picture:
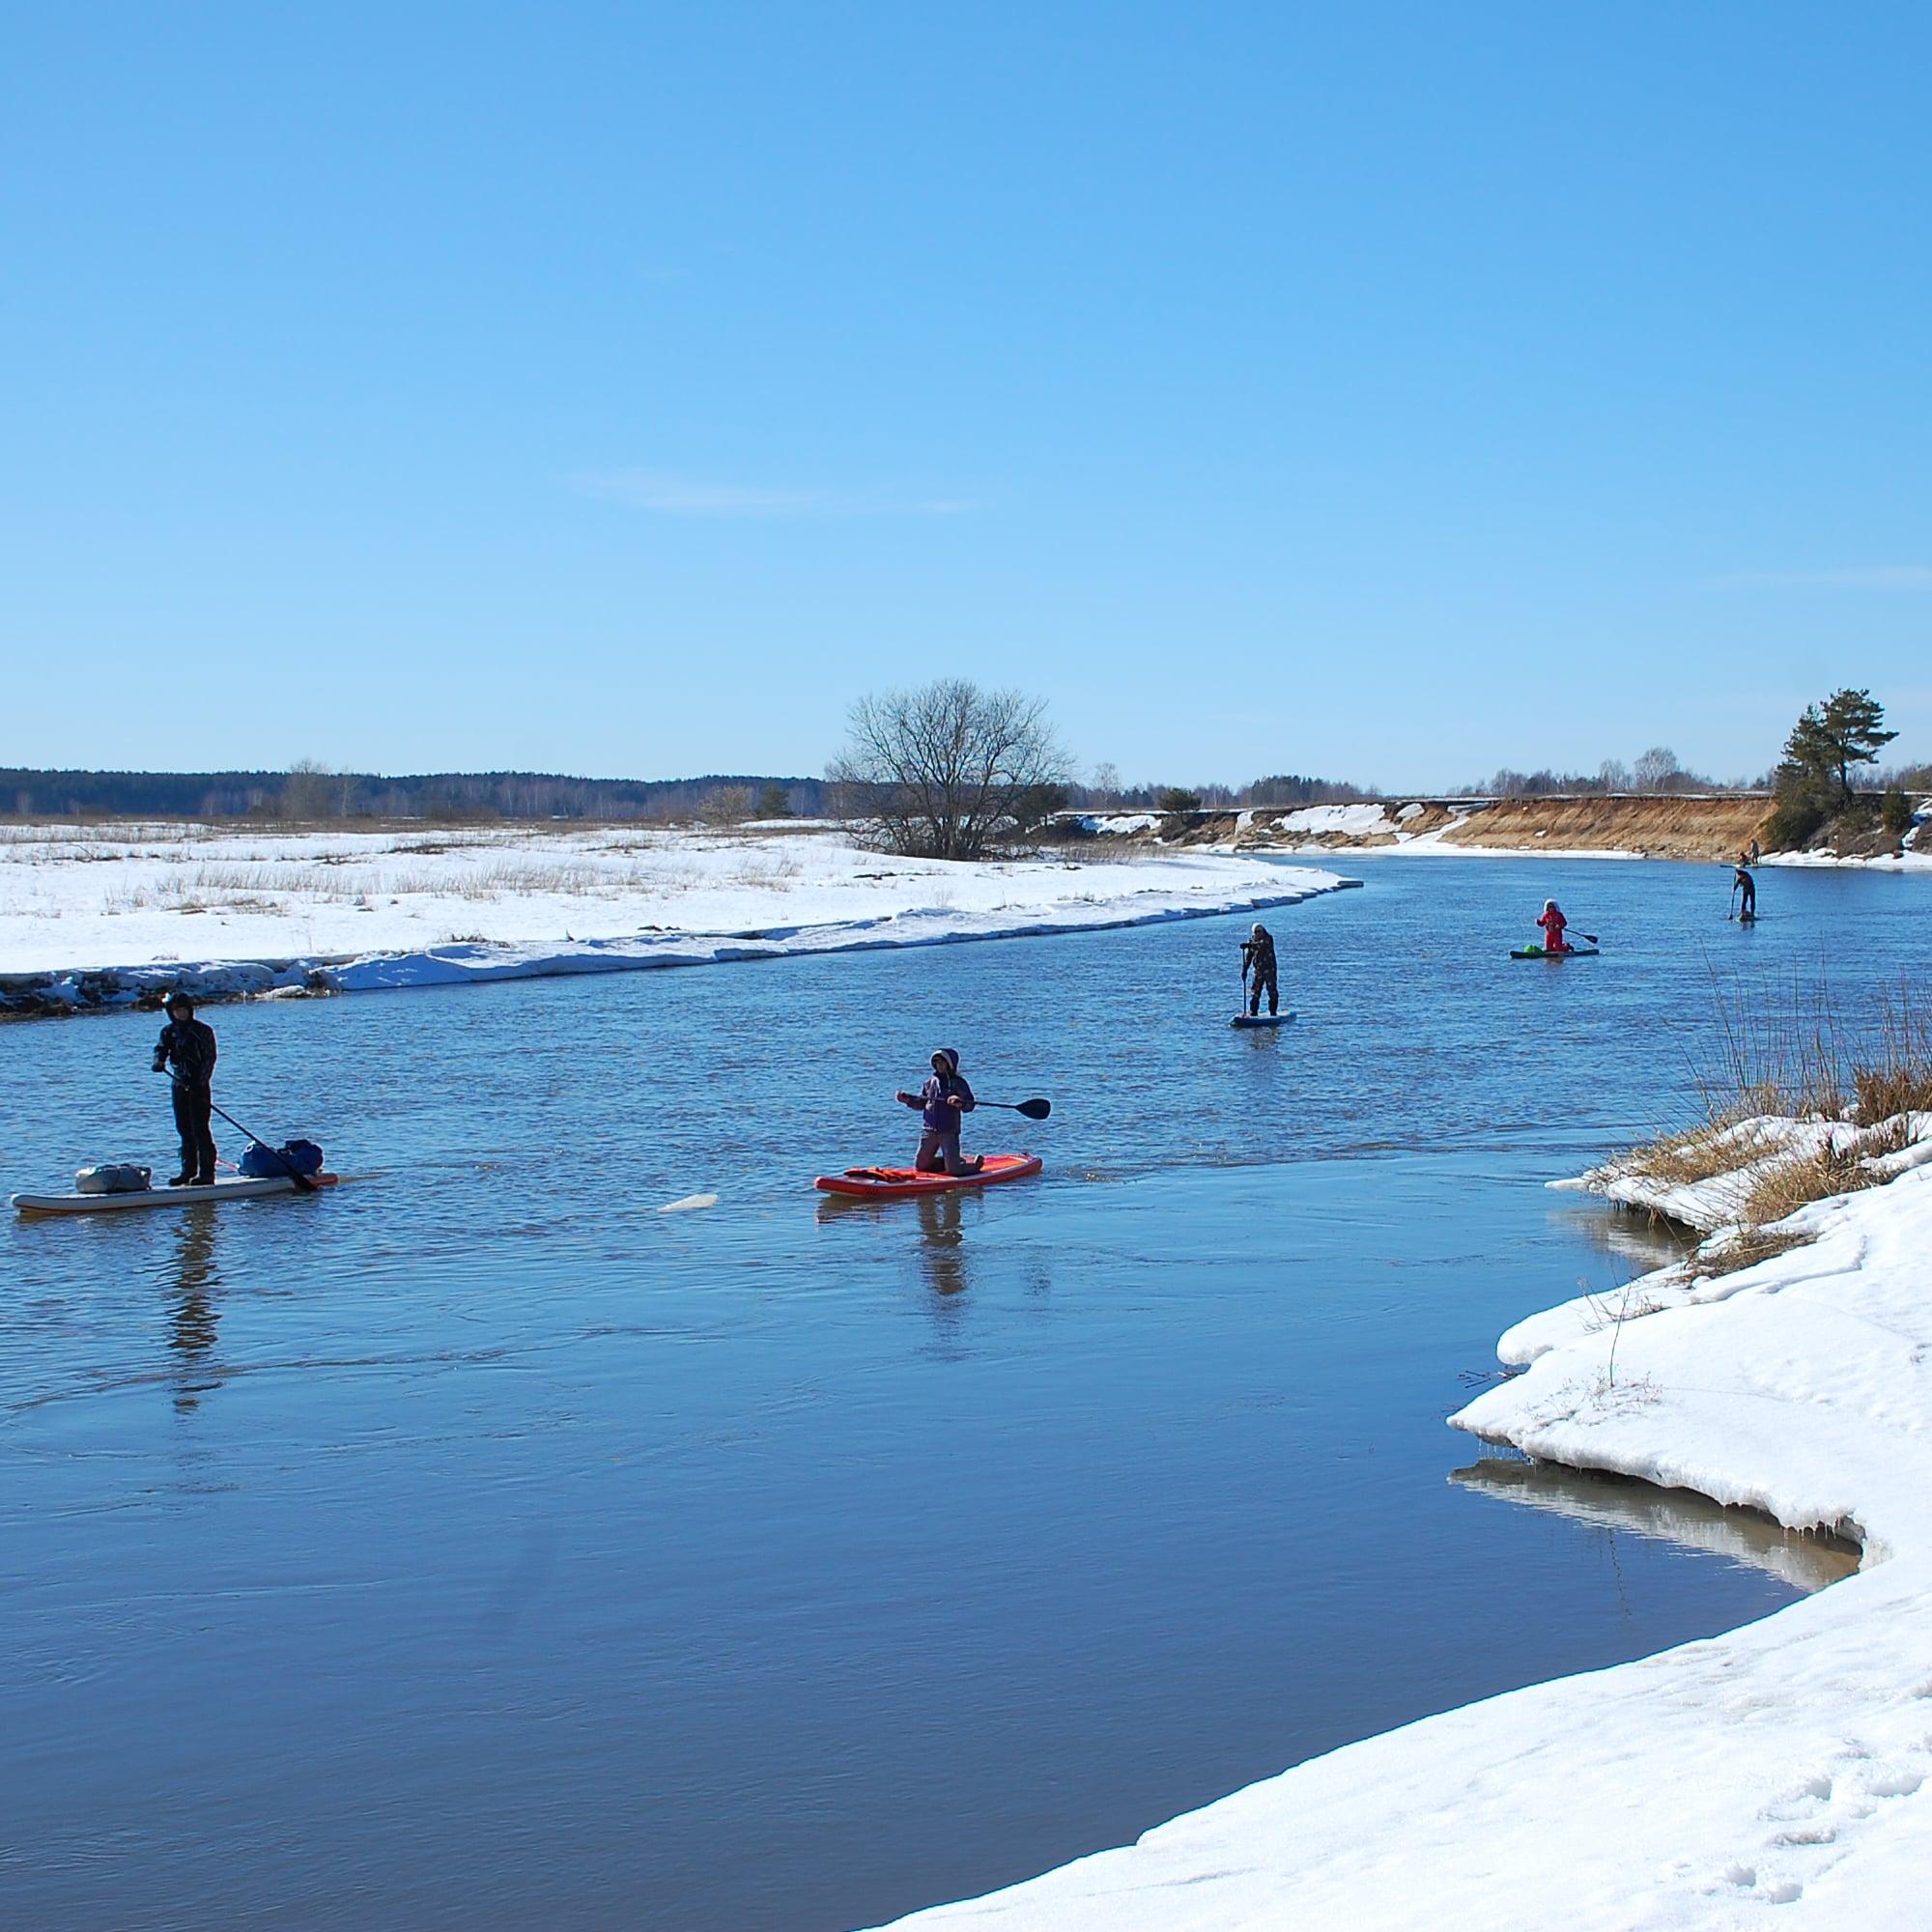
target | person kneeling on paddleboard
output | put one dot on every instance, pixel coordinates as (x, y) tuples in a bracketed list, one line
[(1258, 958), (943, 1101), (1552, 923), (188, 1046)]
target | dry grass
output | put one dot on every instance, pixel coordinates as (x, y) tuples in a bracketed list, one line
[(1788, 1186), (1683, 1160), (1747, 1249), (1800, 1063)]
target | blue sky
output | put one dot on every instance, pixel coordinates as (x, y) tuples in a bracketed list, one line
[(1384, 391)]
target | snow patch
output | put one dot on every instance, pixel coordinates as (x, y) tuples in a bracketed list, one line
[(110, 920)]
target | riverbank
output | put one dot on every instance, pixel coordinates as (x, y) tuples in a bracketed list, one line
[(120, 914), (1714, 827), (1783, 1764)]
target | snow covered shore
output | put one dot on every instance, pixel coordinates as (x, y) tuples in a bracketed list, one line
[(1774, 1775), (100, 918)]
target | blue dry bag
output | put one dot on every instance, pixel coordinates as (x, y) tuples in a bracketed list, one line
[(260, 1163)]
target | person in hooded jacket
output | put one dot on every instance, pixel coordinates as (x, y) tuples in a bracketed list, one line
[(1258, 958), (187, 1050), (944, 1101), (1552, 922)]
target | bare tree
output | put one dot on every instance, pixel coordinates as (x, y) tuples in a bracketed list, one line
[(310, 792), (1613, 774), (1656, 768), (949, 771), (1105, 785), (728, 805)]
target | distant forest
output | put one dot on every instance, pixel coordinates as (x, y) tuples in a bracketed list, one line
[(308, 793)]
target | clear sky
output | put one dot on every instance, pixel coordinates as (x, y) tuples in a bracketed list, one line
[(1384, 391)]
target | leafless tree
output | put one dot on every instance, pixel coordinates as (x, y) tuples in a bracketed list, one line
[(728, 805), (949, 771), (309, 793), (1656, 768)]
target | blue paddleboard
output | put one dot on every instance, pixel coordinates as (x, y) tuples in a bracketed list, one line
[(1261, 1019)]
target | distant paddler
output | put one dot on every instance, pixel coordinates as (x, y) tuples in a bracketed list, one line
[(1259, 961), (1552, 922), (1743, 882), (187, 1050)]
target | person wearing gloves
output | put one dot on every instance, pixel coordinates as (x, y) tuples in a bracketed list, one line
[(1552, 922), (186, 1047), (943, 1103), (1258, 958)]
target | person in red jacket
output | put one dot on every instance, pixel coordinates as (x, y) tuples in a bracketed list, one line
[(1552, 923)]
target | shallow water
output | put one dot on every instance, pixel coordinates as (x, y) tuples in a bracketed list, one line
[(478, 1545)]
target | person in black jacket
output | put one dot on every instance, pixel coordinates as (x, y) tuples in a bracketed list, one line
[(186, 1046), (1258, 958)]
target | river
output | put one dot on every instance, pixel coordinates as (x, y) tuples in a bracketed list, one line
[(478, 1545)]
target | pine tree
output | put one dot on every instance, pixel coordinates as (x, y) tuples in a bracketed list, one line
[(1847, 730)]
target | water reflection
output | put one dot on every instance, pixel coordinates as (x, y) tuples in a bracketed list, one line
[(190, 1275), (942, 1248), (1806, 1562), (1641, 1242)]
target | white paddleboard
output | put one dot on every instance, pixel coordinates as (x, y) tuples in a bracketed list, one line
[(1261, 1019), (239, 1188)]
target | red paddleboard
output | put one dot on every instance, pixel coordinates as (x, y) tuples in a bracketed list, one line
[(881, 1184)]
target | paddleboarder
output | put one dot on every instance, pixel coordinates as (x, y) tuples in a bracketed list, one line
[(943, 1102), (186, 1047), (1552, 922), (1746, 884), (1258, 958)]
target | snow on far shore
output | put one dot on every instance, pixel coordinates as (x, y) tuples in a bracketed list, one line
[(1780, 1775), (103, 918)]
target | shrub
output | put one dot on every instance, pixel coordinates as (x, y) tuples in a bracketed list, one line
[(1175, 799), (1894, 812), (1796, 818)]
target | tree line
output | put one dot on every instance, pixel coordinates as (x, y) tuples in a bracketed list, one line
[(949, 771), (309, 791)]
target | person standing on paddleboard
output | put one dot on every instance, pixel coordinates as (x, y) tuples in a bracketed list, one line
[(1258, 958), (943, 1101), (1746, 884), (186, 1045), (1552, 923)]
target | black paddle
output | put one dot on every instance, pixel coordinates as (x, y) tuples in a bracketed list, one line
[(303, 1184), (1033, 1110)]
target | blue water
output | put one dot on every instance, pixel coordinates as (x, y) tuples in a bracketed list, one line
[(479, 1546)]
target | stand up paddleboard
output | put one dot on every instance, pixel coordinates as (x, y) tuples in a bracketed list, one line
[(884, 1183), (1537, 952), (1261, 1019), (242, 1188)]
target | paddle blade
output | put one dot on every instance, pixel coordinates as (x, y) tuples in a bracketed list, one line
[(1035, 1110)]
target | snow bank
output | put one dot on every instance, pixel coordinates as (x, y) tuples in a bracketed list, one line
[(1750, 1151), (107, 920), (1777, 1774)]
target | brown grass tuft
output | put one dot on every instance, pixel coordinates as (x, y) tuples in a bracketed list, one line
[(1792, 1184), (1681, 1160), (1749, 1248)]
